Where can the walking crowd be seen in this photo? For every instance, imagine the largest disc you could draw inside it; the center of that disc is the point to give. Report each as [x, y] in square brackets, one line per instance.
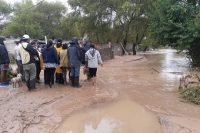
[60, 61]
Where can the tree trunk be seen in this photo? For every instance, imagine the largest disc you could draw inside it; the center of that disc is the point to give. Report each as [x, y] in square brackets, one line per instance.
[124, 46]
[134, 48]
[194, 54]
[97, 36]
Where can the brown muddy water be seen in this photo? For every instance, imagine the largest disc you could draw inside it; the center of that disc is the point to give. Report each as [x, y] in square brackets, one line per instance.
[119, 117]
[131, 96]
[127, 116]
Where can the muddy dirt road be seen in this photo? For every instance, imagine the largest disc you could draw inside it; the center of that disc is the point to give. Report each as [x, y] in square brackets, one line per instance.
[131, 96]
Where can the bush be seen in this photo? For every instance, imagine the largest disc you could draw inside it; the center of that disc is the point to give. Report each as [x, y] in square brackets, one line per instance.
[192, 95]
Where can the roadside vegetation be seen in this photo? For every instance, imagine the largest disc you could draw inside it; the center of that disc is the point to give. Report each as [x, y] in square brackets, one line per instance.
[192, 95]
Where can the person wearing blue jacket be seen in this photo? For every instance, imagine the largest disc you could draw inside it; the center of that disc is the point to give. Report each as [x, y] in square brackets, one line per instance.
[51, 61]
[74, 62]
[4, 61]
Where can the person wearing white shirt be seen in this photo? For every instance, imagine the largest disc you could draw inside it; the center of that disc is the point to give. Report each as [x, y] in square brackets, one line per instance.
[18, 57]
[93, 58]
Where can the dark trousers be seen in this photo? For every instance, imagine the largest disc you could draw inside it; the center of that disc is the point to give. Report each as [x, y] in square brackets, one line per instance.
[38, 69]
[49, 76]
[59, 78]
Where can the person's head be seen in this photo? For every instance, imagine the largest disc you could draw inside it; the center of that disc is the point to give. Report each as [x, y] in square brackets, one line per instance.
[92, 46]
[49, 43]
[74, 41]
[26, 38]
[64, 46]
[59, 40]
[59, 43]
[34, 43]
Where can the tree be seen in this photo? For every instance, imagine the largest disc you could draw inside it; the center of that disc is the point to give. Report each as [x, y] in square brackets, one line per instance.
[36, 20]
[5, 10]
[177, 22]
[113, 20]
[51, 17]
[95, 17]
[24, 21]
[131, 20]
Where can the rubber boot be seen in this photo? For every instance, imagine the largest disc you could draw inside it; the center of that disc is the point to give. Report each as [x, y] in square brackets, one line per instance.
[76, 82]
[72, 81]
[28, 85]
[32, 84]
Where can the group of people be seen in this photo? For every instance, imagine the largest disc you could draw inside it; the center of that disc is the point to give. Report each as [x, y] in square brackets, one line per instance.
[57, 60]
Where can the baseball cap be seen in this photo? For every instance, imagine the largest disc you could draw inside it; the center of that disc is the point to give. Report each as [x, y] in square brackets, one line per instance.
[26, 36]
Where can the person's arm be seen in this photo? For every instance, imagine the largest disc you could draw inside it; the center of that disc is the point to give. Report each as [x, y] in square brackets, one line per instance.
[32, 50]
[86, 60]
[99, 58]
[5, 54]
[56, 56]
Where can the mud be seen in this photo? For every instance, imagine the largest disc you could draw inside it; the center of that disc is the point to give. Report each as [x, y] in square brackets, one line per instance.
[150, 85]
[119, 117]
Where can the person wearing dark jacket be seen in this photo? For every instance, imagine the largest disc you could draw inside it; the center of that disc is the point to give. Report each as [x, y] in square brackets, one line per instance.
[74, 62]
[86, 47]
[4, 61]
[37, 61]
[51, 61]
[27, 53]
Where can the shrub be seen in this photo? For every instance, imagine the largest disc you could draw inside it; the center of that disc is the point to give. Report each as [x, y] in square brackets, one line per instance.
[192, 94]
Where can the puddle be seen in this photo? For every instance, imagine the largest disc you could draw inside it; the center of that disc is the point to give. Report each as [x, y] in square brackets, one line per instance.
[120, 117]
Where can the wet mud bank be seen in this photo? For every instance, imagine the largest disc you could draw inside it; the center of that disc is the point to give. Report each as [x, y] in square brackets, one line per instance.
[133, 94]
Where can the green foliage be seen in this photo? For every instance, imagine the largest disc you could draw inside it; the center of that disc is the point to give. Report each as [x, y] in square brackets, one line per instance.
[5, 9]
[192, 95]
[113, 20]
[51, 17]
[121, 21]
[176, 22]
[94, 18]
[36, 20]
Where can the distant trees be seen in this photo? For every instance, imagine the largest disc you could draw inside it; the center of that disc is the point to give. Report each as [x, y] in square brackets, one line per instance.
[115, 20]
[174, 22]
[103, 21]
[5, 10]
[177, 22]
[36, 20]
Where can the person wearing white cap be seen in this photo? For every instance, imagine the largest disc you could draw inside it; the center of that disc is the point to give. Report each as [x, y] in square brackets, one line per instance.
[27, 53]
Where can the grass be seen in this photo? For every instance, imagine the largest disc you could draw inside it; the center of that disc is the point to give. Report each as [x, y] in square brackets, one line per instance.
[192, 95]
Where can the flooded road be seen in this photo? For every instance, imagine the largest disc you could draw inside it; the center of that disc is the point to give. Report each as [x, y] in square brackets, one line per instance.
[131, 96]
[119, 117]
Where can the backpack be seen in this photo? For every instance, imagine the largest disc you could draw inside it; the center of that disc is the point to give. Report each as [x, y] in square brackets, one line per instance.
[81, 54]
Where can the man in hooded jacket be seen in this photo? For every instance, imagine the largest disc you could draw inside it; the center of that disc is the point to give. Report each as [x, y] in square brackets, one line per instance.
[74, 62]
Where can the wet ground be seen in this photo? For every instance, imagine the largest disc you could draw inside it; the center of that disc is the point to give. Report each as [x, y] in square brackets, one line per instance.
[131, 96]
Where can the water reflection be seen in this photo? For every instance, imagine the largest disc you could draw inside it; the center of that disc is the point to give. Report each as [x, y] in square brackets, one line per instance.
[120, 117]
[105, 126]
[173, 66]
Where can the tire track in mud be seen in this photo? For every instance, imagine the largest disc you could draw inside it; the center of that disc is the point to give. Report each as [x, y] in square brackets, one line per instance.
[28, 111]
[23, 116]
